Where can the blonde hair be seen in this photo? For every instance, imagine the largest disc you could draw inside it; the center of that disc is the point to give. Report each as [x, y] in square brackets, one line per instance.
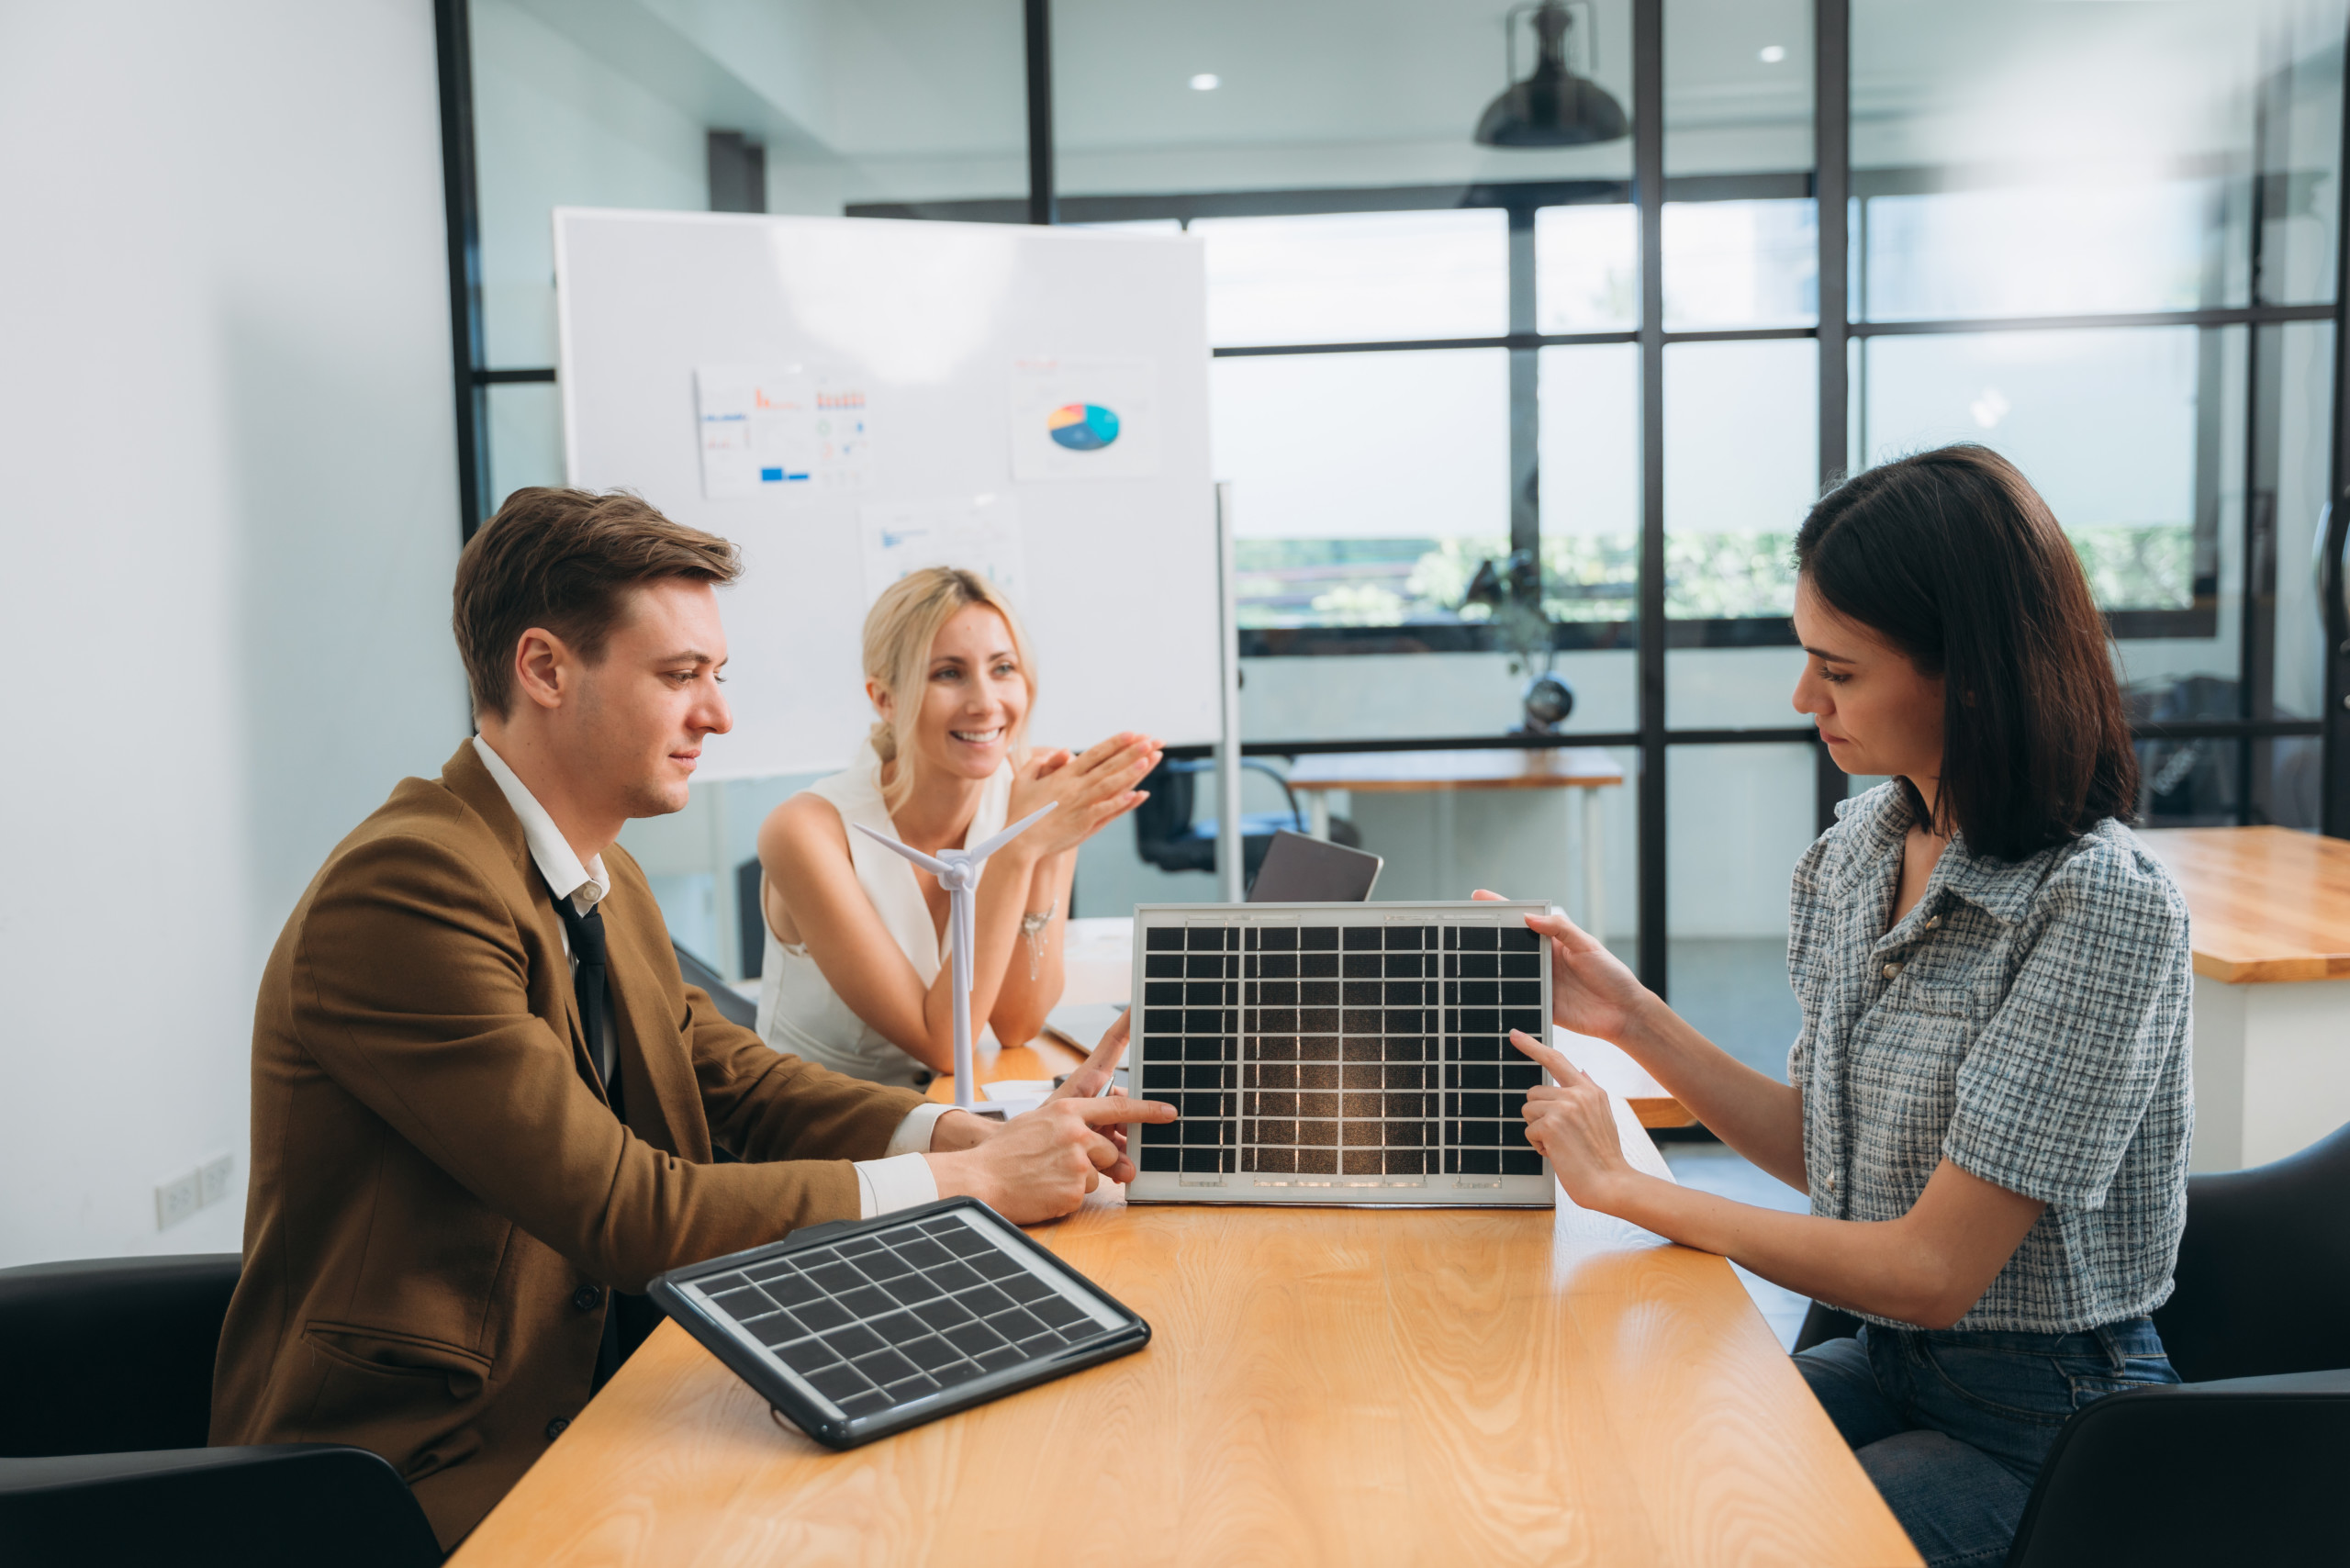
[899, 631]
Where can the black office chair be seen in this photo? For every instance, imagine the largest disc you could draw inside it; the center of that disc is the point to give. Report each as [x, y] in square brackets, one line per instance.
[2184, 783]
[751, 916]
[732, 1006]
[1167, 837]
[2243, 1461]
[102, 1460]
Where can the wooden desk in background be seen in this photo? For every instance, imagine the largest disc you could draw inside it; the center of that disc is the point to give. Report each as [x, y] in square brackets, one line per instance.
[2269, 911]
[1322, 1386]
[1583, 768]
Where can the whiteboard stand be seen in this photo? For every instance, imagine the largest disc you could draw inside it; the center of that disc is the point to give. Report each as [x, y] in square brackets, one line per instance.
[1229, 846]
[728, 937]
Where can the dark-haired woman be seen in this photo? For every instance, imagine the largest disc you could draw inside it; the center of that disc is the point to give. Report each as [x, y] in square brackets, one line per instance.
[1990, 1097]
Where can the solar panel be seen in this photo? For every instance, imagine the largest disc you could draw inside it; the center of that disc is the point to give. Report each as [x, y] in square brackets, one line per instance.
[1338, 1053]
[860, 1328]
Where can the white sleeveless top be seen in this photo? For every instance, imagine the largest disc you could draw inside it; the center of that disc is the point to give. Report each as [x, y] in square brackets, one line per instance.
[799, 1013]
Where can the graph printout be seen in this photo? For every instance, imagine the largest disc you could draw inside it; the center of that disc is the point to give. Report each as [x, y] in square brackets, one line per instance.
[781, 430]
[981, 534]
[1084, 419]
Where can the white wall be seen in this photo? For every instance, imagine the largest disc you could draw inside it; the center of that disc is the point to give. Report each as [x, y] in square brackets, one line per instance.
[226, 422]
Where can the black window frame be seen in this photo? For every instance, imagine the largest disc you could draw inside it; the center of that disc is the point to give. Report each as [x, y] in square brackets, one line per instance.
[1832, 185]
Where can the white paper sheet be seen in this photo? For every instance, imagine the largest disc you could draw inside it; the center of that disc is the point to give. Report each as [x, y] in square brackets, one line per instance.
[1084, 419]
[981, 534]
[777, 429]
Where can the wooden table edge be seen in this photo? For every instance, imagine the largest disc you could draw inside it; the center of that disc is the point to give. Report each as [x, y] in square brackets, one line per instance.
[2214, 867]
[2273, 971]
[1661, 1111]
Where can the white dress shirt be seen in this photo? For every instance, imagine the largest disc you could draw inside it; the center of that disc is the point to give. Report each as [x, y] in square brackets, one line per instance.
[899, 1180]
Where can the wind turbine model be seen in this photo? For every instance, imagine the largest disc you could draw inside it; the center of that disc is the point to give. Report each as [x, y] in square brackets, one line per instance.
[957, 871]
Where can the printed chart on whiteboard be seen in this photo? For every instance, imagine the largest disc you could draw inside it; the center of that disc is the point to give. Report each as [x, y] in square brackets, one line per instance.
[981, 534]
[780, 428]
[1084, 419]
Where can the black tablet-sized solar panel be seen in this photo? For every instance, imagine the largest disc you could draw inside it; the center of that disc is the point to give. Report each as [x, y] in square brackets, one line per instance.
[1343, 1053]
[863, 1327]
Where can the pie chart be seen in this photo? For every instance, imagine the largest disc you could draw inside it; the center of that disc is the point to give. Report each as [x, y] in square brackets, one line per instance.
[1082, 427]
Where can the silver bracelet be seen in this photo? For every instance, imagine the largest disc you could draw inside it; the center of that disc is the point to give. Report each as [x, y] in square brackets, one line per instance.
[1032, 926]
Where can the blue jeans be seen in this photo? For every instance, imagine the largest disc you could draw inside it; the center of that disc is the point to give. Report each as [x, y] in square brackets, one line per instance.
[1951, 1427]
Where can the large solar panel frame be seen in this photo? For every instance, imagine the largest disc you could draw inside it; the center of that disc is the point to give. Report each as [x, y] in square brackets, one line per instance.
[860, 1328]
[1338, 1053]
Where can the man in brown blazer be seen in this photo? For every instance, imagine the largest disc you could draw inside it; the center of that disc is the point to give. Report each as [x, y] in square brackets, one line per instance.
[468, 1133]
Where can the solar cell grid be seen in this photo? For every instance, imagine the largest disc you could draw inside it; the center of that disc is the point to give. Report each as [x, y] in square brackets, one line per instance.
[1344, 1048]
[900, 1314]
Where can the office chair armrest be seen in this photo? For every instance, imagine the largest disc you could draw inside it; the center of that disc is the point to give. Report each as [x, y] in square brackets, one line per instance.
[115, 1354]
[277, 1503]
[2244, 1470]
[1258, 765]
[1252, 765]
[731, 1004]
[2335, 1382]
[1822, 1323]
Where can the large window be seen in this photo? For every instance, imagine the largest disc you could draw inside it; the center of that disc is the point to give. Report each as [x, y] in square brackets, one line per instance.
[2098, 237]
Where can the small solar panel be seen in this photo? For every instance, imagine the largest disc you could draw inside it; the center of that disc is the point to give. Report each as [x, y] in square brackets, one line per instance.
[860, 1328]
[1338, 1053]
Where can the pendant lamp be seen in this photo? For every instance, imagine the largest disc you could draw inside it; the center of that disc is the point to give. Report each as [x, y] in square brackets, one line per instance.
[1552, 107]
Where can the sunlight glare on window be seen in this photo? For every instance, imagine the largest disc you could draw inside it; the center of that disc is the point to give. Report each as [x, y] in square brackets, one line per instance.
[1357, 277]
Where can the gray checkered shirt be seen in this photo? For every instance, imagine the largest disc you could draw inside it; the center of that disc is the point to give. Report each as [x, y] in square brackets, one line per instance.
[2027, 1022]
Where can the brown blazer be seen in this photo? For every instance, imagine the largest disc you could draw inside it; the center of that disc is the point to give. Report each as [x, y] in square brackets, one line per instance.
[441, 1197]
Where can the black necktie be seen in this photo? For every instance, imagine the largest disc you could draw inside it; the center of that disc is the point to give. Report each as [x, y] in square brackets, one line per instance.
[627, 1318]
[592, 987]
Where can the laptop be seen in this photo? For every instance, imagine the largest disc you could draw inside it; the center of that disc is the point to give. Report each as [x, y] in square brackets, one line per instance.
[1302, 869]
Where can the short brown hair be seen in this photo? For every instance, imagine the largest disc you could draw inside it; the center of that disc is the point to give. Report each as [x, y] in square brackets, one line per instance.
[1956, 560]
[564, 560]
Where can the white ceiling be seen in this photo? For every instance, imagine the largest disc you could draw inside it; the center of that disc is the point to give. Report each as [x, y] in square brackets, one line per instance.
[1316, 89]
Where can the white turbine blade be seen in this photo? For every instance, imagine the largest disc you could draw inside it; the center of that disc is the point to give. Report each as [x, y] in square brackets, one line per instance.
[927, 863]
[1008, 834]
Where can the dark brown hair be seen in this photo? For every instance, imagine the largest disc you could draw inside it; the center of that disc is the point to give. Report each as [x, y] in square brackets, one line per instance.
[1951, 556]
[563, 561]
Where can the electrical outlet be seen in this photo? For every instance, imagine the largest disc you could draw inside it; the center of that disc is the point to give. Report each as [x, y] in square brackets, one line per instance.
[176, 1199]
[212, 1181]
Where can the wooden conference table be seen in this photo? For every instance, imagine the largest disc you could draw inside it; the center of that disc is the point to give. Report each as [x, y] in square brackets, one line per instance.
[1323, 1385]
[1583, 768]
[1340, 1386]
[2269, 915]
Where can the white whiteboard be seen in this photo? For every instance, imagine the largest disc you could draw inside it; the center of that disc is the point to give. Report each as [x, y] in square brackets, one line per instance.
[929, 322]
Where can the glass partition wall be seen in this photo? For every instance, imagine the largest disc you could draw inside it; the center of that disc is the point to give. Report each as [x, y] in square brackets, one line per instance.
[2098, 237]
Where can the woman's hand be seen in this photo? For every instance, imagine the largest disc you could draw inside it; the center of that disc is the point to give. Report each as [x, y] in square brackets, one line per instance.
[1591, 991]
[1092, 789]
[1574, 1126]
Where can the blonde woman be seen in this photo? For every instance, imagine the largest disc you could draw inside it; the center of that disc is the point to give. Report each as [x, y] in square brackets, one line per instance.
[854, 977]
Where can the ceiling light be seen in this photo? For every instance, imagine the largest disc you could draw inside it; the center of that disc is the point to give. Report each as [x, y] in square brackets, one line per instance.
[1206, 82]
[1553, 106]
[1772, 53]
